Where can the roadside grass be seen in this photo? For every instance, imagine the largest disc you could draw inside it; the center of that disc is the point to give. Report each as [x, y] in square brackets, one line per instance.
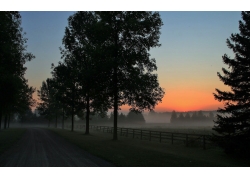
[9, 136]
[128, 152]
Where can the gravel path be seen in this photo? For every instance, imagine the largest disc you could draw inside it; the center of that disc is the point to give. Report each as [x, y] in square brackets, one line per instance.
[40, 147]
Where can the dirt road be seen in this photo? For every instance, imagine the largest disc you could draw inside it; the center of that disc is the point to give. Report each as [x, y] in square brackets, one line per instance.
[40, 147]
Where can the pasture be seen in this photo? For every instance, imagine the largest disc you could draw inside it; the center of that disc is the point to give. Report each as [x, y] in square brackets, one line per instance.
[128, 152]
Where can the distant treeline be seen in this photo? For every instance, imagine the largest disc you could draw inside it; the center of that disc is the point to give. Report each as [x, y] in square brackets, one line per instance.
[192, 117]
[131, 117]
[203, 117]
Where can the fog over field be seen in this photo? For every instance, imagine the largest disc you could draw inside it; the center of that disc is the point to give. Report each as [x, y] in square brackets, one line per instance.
[151, 119]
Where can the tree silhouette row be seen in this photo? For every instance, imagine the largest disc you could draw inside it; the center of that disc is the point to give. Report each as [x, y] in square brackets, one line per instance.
[105, 65]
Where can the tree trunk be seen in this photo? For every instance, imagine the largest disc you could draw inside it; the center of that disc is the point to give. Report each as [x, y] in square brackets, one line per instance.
[56, 119]
[72, 121]
[72, 109]
[9, 121]
[63, 120]
[5, 121]
[87, 115]
[115, 104]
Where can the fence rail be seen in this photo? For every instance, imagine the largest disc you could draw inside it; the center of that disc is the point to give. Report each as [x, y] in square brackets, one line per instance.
[163, 137]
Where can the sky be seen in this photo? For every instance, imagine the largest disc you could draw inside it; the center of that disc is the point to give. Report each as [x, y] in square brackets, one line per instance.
[193, 40]
[192, 45]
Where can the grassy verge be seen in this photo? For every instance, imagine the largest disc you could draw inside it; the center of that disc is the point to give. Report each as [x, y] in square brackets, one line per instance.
[9, 136]
[128, 152]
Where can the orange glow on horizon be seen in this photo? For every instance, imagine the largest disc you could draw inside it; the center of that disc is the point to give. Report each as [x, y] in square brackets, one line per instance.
[186, 100]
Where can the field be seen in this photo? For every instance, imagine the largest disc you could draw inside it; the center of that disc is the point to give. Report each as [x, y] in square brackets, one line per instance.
[128, 152]
[206, 130]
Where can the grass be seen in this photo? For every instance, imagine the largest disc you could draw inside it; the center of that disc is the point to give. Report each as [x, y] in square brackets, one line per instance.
[128, 152]
[9, 136]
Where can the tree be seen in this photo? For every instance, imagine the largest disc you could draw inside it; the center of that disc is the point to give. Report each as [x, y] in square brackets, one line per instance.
[173, 117]
[122, 117]
[135, 117]
[13, 56]
[61, 84]
[127, 38]
[233, 121]
[48, 106]
[187, 117]
[200, 116]
[82, 46]
[181, 117]
[194, 116]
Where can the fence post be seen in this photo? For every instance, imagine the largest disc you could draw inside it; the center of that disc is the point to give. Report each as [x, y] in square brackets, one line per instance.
[141, 134]
[204, 142]
[160, 136]
[172, 138]
[187, 140]
[121, 131]
[133, 133]
[149, 135]
[127, 133]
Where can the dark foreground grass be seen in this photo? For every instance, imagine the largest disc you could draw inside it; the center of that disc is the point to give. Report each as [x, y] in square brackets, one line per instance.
[9, 136]
[128, 152]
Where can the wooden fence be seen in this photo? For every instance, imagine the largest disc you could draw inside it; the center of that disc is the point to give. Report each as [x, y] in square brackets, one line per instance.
[163, 137]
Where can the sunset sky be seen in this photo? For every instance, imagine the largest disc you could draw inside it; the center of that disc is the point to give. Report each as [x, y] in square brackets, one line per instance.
[188, 60]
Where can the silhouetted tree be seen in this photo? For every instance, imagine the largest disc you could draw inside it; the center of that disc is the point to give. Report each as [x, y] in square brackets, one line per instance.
[61, 84]
[181, 117]
[187, 117]
[121, 117]
[233, 121]
[200, 116]
[135, 117]
[194, 116]
[127, 38]
[49, 106]
[13, 56]
[173, 117]
[68, 87]
[81, 48]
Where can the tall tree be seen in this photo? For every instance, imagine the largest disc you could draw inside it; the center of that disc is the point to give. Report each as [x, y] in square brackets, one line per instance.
[233, 121]
[128, 36]
[67, 85]
[48, 106]
[13, 56]
[81, 43]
